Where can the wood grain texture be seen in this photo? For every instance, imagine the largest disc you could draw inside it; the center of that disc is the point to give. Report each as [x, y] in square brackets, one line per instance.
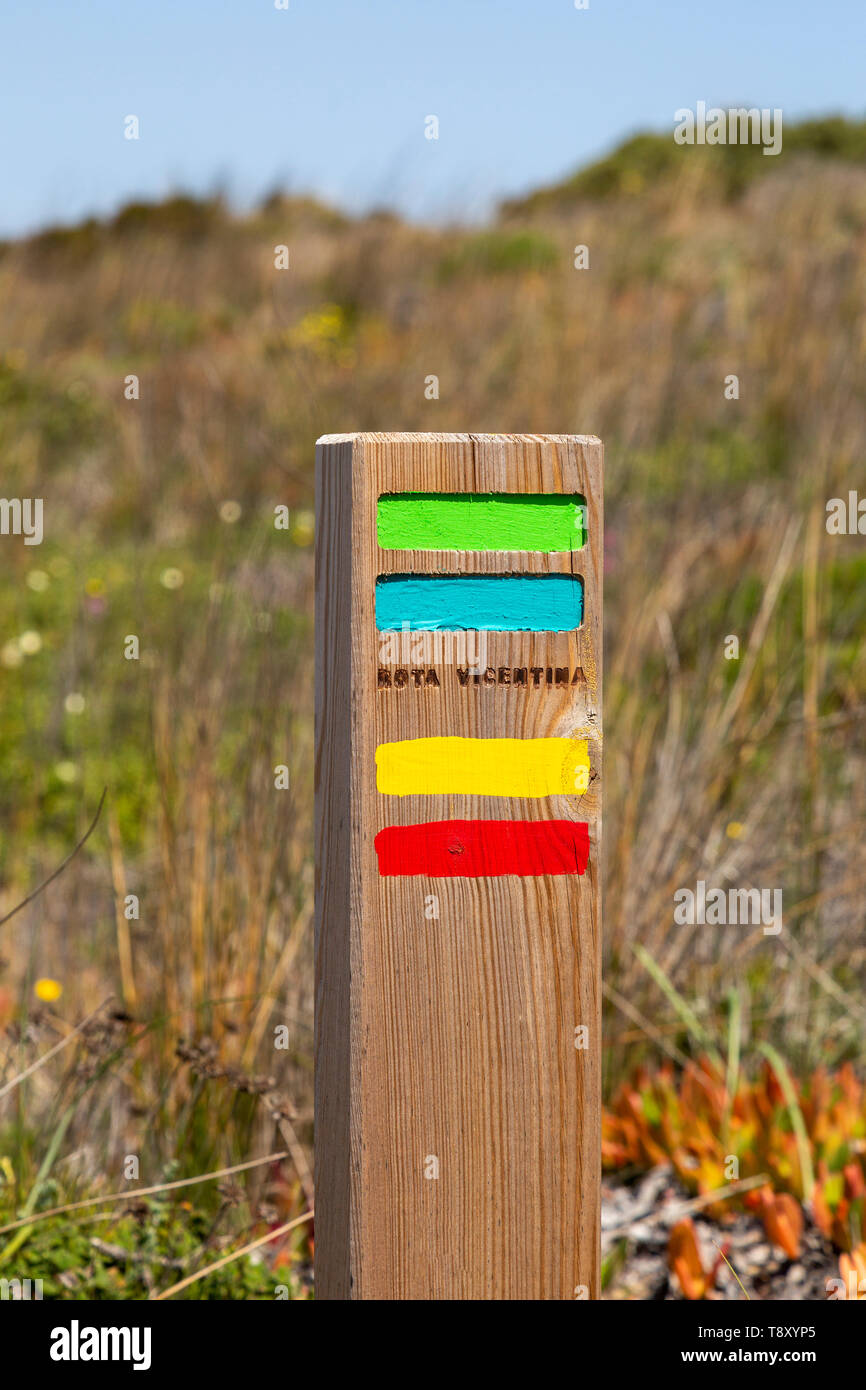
[452, 1036]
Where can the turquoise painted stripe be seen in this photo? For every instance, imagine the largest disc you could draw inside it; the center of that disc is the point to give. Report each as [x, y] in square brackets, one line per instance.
[479, 602]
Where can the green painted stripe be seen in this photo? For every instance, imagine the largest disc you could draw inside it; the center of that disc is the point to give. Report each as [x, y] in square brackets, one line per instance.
[481, 521]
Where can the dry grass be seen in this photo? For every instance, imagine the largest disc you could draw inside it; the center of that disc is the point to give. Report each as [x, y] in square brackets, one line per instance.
[743, 773]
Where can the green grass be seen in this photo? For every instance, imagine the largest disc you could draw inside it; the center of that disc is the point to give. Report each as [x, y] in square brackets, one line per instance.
[122, 1257]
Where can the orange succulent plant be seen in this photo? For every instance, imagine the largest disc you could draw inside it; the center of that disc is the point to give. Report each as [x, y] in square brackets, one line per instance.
[684, 1258]
[852, 1269]
[694, 1124]
[782, 1216]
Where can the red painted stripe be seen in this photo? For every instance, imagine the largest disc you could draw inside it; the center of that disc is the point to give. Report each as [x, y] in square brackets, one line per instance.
[483, 848]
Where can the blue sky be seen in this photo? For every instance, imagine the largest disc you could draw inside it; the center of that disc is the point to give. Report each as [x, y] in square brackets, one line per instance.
[330, 96]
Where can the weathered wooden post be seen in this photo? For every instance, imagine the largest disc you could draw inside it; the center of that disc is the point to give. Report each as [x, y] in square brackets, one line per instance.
[458, 789]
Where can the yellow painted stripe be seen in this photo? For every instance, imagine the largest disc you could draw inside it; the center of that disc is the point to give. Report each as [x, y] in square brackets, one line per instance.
[483, 766]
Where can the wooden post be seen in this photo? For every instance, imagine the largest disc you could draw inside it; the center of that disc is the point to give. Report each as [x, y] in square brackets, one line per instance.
[458, 882]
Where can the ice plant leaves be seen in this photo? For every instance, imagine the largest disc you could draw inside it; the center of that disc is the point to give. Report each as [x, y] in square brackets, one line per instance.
[809, 1137]
[685, 1261]
[783, 1221]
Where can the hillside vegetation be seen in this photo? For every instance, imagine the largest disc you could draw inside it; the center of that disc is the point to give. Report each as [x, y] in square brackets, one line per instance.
[159, 523]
